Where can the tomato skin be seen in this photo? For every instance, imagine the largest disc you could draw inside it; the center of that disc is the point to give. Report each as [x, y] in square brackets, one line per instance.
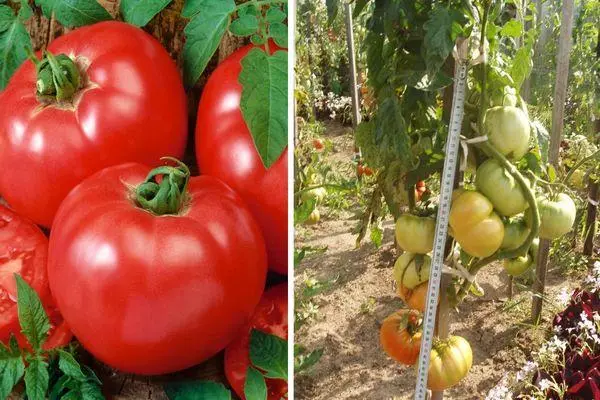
[450, 361]
[414, 298]
[225, 149]
[507, 129]
[501, 188]
[516, 232]
[517, 266]
[318, 144]
[368, 171]
[414, 233]
[411, 272]
[270, 316]
[400, 336]
[475, 226]
[317, 194]
[142, 296]
[360, 170]
[556, 216]
[137, 112]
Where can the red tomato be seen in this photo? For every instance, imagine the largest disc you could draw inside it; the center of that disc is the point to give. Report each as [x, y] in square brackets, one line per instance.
[360, 170]
[400, 336]
[318, 144]
[270, 317]
[24, 250]
[368, 171]
[225, 149]
[153, 292]
[131, 108]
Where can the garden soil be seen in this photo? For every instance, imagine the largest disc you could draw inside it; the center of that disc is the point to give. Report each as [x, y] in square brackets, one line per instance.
[361, 295]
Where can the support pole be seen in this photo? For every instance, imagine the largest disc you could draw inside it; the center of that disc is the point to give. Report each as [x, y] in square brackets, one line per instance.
[558, 112]
[356, 117]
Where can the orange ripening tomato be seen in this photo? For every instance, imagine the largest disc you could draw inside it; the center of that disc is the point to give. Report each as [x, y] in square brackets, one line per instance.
[368, 171]
[400, 336]
[318, 144]
[414, 298]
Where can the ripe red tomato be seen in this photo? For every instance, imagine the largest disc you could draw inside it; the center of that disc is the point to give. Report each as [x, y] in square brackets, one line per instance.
[318, 144]
[130, 107]
[151, 286]
[360, 170]
[24, 250]
[225, 149]
[270, 317]
[400, 336]
[368, 171]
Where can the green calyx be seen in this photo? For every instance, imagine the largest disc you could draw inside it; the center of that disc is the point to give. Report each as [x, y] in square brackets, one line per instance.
[58, 77]
[168, 196]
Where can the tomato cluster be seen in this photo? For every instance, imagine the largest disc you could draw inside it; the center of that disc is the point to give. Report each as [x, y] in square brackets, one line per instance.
[153, 270]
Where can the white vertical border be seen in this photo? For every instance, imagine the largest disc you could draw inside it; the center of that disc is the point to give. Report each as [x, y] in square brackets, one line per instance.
[291, 123]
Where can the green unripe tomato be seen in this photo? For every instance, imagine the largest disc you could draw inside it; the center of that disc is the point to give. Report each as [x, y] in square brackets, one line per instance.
[500, 188]
[314, 217]
[507, 129]
[515, 233]
[410, 270]
[517, 266]
[317, 194]
[508, 97]
[556, 216]
[533, 249]
[415, 234]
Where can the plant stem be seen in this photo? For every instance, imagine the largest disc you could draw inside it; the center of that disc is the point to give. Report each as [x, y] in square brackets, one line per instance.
[579, 164]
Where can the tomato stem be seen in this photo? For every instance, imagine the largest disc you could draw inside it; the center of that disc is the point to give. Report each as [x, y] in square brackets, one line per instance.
[58, 77]
[168, 195]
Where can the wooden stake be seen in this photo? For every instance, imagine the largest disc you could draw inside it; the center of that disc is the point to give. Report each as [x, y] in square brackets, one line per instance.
[356, 117]
[558, 112]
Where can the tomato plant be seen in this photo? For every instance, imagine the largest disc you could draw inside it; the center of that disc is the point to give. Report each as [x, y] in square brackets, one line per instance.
[400, 336]
[516, 232]
[475, 226]
[414, 233]
[517, 266]
[450, 361]
[131, 292]
[226, 149]
[270, 316]
[110, 94]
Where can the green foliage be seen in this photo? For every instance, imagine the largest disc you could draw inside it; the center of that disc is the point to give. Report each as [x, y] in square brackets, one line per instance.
[140, 12]
[196, 390]
[73, 14]
[14, 41]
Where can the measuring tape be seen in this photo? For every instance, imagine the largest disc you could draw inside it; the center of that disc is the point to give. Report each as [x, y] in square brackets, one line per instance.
[441, 226]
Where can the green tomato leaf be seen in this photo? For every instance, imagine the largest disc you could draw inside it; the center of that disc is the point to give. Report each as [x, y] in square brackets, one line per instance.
[32, 316]
[275, 14]
[303, 362]
[196, 390]
[69, 366]
[245, 25]
[303, 211]
[12, 368]
[542, 138]
[91, 391]
[209, 22]
[376, 235]
[25, 12]
[359, 6]
[74, 13]
[72, 395]
[521, 66]
[14, 40]
[264, 101]
[279, 33]
[140, 12]
[512, 28]
[333, 7]
[36, 379]
[441, 30]
[249, 9]
[255, 387]
[257, 40]
[269, 353]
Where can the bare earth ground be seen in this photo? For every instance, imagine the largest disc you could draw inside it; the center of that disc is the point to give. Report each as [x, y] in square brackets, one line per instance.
[351, 310]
